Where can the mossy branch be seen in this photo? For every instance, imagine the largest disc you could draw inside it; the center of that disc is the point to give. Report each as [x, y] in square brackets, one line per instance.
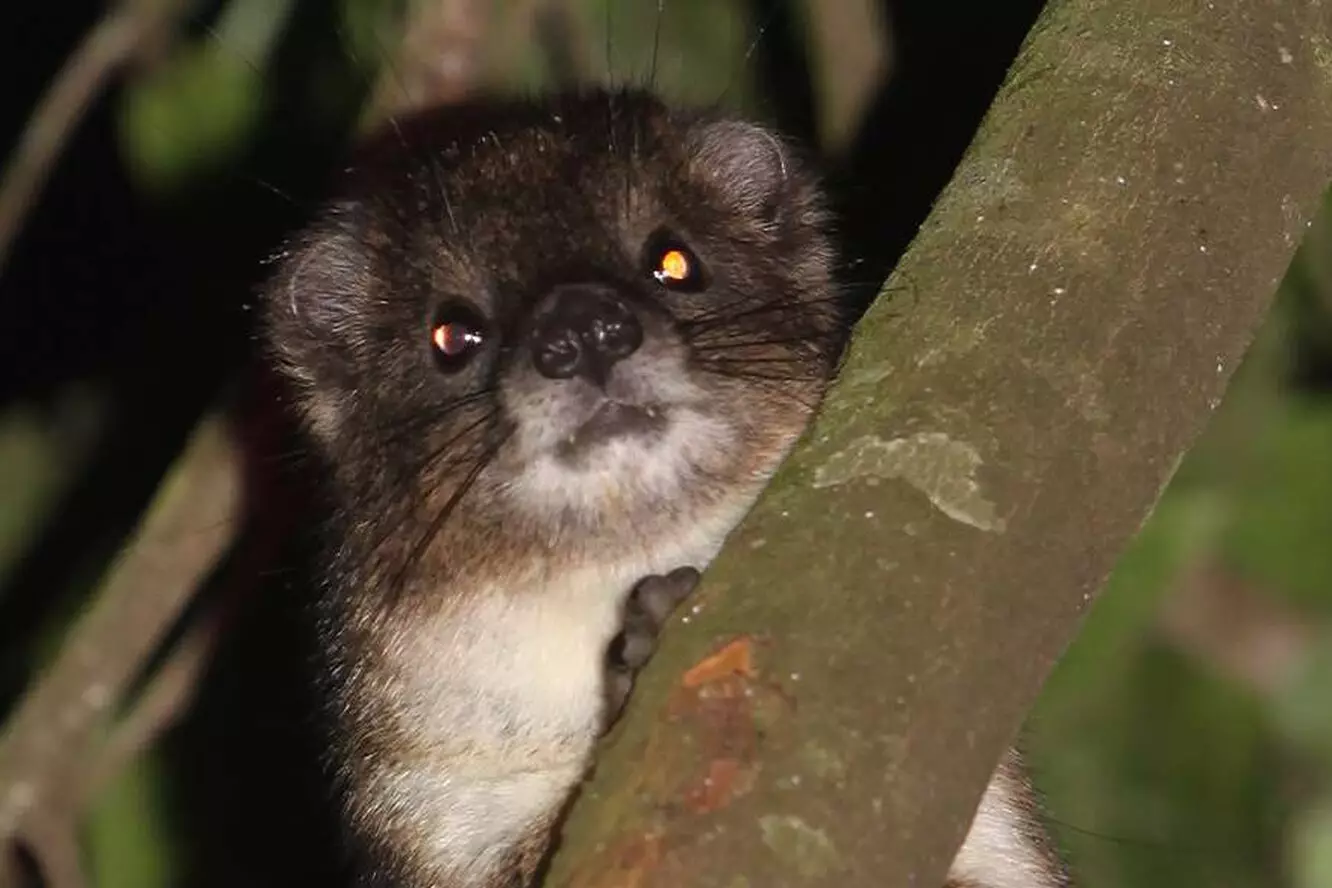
[1053, 341]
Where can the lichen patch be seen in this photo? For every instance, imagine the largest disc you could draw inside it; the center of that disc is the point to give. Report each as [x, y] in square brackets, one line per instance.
[933, 463]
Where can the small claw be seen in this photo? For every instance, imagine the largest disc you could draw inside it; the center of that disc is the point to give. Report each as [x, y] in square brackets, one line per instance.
[646, 610]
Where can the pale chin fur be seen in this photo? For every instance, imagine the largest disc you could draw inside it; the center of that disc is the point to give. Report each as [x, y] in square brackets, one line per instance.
[624, 474]
[631, 469]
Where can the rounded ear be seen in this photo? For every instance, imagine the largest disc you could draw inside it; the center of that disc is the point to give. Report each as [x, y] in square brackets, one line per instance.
[311, 320]
[310, 302]
[743, 160]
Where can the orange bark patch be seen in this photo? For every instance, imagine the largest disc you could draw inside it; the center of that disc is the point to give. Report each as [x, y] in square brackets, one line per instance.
[726, 779]
[735, 659]
[700, 758]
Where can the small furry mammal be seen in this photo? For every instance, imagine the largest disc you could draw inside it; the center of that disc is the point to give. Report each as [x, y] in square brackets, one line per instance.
[549, 352]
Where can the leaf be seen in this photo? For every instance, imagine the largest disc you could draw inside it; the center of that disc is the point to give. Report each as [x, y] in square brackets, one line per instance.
[190, 115]
[130, 840]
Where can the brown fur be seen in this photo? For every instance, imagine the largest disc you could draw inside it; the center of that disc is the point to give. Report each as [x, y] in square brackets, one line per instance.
[444, 571]
[496, 203]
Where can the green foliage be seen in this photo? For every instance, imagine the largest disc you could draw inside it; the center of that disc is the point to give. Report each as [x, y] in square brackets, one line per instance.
[1161, 769]
[1301, 711]
[195, 110]
[368, 29]
[1311, 848]
[1283, 493]
[130, 840]
[190, 115]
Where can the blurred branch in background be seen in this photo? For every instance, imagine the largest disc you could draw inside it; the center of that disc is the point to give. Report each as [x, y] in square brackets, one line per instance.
[51, 757]
[438, 58]
[193, 105]
[849, 42]
[1248, 636]
[127, 29]
[75, 728]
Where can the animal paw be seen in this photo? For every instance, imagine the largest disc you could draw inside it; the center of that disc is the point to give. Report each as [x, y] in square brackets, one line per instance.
[646, 610]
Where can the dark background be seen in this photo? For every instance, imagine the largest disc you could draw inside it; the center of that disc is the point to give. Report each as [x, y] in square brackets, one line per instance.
[126, 317]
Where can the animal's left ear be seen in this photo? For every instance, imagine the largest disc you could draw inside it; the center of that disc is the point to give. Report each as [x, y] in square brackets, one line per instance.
[748, 164]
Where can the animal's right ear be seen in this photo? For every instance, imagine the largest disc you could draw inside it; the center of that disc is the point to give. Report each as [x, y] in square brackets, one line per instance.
[747, 163]
[310, 304]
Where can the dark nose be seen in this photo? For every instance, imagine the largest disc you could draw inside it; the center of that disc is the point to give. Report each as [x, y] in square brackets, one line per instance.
[582, 330]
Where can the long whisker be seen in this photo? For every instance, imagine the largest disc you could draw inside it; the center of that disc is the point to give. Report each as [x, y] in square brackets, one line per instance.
[397, 130]
[390, 62]
[432, 530]
[777, 385]
[721, 308]
[438, 173]
[779, 308]
[610, 67]
[800, 370]
[744, 62]
[743, 361]
[428, 461]
[740, 342]
[403, 479]
[656, 45]
[610, 122]
[440, 462]
[718, 316]
[427, 418]
[273, 189]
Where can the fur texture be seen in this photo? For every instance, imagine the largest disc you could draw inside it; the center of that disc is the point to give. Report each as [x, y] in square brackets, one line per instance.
[484, 529]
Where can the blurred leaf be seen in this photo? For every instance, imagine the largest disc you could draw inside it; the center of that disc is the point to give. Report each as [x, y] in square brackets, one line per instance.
[702, 48]
[200, 107]
[689, 51]
[1303, 709]
[1139, 800]
[1163, 772]
[1282, 535]
[191, 114]
[1311, 848]
[370, 28]
[1184, 524]
[130, 842]
[39, 455]
[249, 29]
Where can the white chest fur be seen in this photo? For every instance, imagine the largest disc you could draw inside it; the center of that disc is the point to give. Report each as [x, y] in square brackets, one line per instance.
[506, 689]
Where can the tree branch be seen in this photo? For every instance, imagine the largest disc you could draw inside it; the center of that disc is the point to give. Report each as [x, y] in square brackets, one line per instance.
[1229, 626]
[165, 698]
[438, 61]
[47, 757]
[1061, 328]
[852, 45]
[111, 43]
[54, 756]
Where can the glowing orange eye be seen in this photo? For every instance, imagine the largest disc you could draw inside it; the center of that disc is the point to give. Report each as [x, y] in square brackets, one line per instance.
[673, 266]
[454, 339]
[457, 333]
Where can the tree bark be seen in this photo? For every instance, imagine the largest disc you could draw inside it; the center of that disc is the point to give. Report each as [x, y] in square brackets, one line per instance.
[1053, 341]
